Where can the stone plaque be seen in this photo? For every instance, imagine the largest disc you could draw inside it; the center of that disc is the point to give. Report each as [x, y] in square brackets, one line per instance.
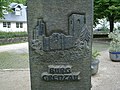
[60, 33]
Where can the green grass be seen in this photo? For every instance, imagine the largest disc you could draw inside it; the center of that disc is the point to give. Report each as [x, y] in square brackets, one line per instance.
[12, 60]
[11, 43]
[100, 46]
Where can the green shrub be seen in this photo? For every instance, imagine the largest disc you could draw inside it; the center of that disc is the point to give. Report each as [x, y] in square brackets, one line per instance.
[115, 42]
[95, 54]
[12, 34]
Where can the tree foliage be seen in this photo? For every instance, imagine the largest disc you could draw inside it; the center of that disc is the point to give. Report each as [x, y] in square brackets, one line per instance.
[4, 5]
[109, 9]
[20, 1]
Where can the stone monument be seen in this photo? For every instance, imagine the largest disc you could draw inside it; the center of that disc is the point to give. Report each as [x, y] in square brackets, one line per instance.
[60, 33]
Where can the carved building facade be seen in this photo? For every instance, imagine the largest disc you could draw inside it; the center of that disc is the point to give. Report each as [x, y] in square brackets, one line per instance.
[60, 41]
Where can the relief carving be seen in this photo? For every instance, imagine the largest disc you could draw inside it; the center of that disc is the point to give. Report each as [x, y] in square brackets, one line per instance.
[77, 34]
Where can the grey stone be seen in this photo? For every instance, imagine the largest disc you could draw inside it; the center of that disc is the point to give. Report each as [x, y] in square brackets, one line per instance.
[60, 33]
[56, 41]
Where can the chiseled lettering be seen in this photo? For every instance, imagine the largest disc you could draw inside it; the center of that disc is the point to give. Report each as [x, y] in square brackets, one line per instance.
[70, 78]
[60, 77]
[68, 70]
[62, 70]
[66, 77]
[59, 69]
[55, 77]
[50, 77]
[60, 73]
[76, 77]
[45, 77]
[52, 70]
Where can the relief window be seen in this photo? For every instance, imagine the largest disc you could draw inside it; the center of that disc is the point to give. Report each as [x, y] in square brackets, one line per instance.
[78, 20]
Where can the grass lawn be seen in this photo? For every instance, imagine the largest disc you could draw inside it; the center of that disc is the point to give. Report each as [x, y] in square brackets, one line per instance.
[13, 60]
[17, 60]
[100, 46]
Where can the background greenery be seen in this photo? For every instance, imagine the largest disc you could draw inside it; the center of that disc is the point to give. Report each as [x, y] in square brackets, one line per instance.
[109, 9]
[12, 34]
[4, 5]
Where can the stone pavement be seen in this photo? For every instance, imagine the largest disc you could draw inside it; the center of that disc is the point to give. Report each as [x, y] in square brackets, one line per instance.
[15, 47]
[107, 78]
[14, 79]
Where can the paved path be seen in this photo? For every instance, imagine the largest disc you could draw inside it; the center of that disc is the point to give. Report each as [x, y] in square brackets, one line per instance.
[14, 80]
[15, 47]
[108, 77]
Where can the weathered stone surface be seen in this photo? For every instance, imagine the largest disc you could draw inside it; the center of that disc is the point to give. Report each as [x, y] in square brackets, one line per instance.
[60, 34]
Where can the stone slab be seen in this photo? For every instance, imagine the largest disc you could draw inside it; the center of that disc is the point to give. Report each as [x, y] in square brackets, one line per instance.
[60, 33]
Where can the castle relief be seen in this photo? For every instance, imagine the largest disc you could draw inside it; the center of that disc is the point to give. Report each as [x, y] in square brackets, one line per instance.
[77, 34]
